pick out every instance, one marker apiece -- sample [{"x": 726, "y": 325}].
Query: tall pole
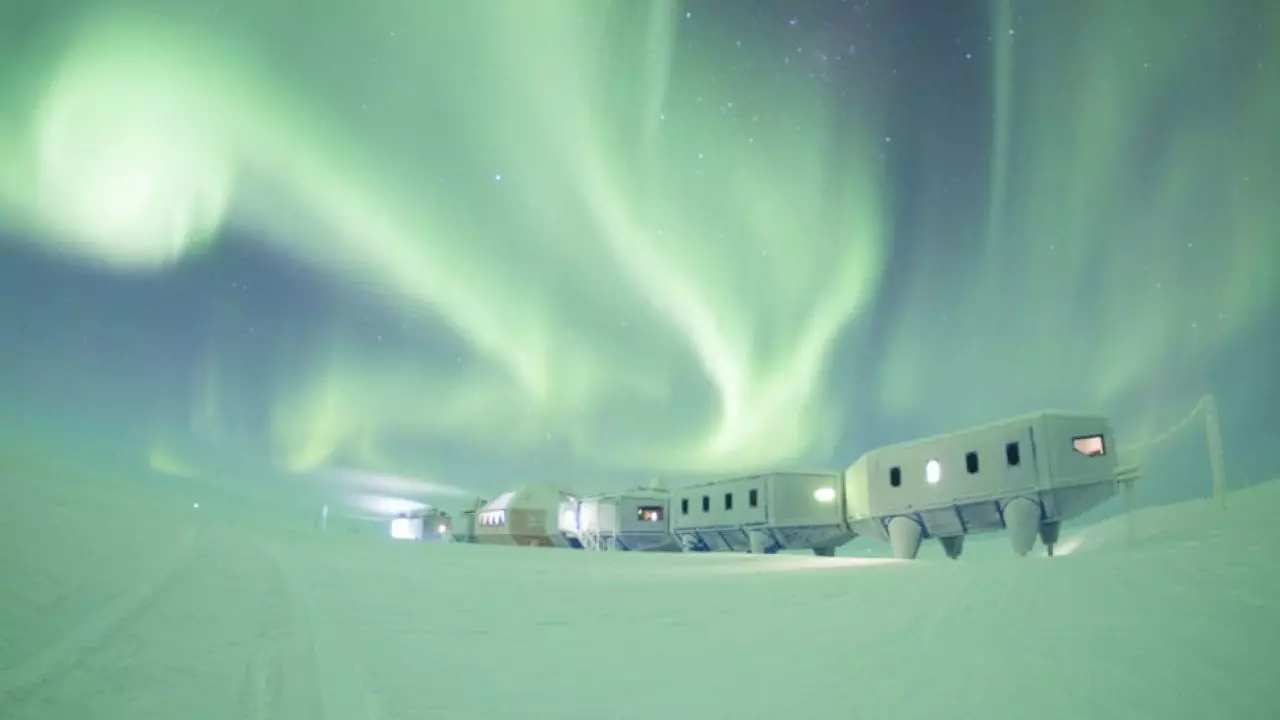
[
  {"x": 1130, "y": 531},
  {"x": 1213, "y": 436}
]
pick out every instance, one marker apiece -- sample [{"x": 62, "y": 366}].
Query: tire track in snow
[
  {"x": 261, "y": 686},
  {"x": 36, "y": 671},
  {"x": 337, "y": 682}
]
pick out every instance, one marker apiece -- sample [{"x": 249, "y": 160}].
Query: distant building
[
  {"x": 426, "y": 524},
  {"x": 630, "y": 520},
  {"x": 524, "y": 516}
]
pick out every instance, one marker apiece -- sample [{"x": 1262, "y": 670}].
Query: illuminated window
[
  {"x": 706, "y": 503},
  {"x": 971, "y": 462},
  {"x": 1089, "y": 445},
  {"x": 493, "y": 518},
  {"x": 649, "y": 513},
  {"x": 728, "y": 501},
  {"x": 753, "y": 497},
  {"x": 895, "y": 476},
  {"x": 568, "y": 521},
  {"x": 933, "y": 472},
  {"x": 1012, "y": 454},
  {"x": 684, "y": 506},
  {"x": 825, "y": 494}
]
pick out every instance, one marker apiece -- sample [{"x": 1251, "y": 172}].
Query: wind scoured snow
[{"x": 122, "y": 603}]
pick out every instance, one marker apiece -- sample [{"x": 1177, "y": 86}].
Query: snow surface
[{"x": 122, "y": 600}]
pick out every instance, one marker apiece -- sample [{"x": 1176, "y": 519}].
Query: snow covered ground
[{"x": 121, "y": 600}]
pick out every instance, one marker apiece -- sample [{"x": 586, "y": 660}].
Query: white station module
[{"x": 1024, "y": 475}]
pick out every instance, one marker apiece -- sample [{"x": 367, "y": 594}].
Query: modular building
[
  {"x": 426, "y": 524},
  {"x": 762, "y": 514},
  {"x": 1024, "y": 475},
  {"x": 629, "y": 520},
  {"x": 463, "y": 527},
  {"x": 528, "y": 515}
]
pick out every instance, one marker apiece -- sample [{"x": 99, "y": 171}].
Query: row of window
[
  {"x": 753, "y": 500},
  {"x": 1012, "y": 457},
  {"x": 1087, "y": 445},
  {"x": 492, "y": 518}
]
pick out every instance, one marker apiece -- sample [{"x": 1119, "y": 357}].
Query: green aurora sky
[{"x": 481, "y": 243}]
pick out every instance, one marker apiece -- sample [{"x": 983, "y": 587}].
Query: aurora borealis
[{"x": 586, "y": 241}]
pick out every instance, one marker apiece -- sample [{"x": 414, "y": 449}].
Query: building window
[
  {"x": 649, "y": 513},
  {"x": 684, "y": 506},
  {"x": 971, "y": 462},
  {"x": 728, "y": 501},
  {"x": 1089, "y": 445},
  {"x": 933, "y": 472},
  {"x": 1012, "y": 454},
  {"x": 706, "y": 503},
  {"x": 493, "y": 518},
  {"x": 895, "y": 476},
  {"x": 568, "y": 521},
  {"x": 753, "y": 497}
]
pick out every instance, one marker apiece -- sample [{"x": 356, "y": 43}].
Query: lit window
[
  {"x": 932, "y": 472},
  {"x": 971, "y": 462},
  {"x": 569, "y": 521},
  {"x": 649, "y": 513},
  {"x": 1090, "y": 445},
  {"x": 824, "y": 494}
]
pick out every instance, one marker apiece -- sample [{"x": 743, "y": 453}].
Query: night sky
[{"x": 416, "y": 247}]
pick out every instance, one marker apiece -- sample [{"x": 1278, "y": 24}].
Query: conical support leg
[
  {"x": 1022, "y": 520},
  {"x": 952, "y": 546},
  {"x": 1049, "y": 534},
  {"x": 904, "y": 537},
  {"x": 757, "y": 542}
]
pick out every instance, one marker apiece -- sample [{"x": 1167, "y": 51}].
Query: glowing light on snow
[{"x": 1068, "y": 545}]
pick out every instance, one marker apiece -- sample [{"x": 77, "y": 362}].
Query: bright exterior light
[
  {"x": 442, "y": 529},
  {"x": 932, "y": 472},
  {"x": 824, "y": 494},
  {"x": 569, "y": 521},
  {"x": 401, "y": 529}
]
